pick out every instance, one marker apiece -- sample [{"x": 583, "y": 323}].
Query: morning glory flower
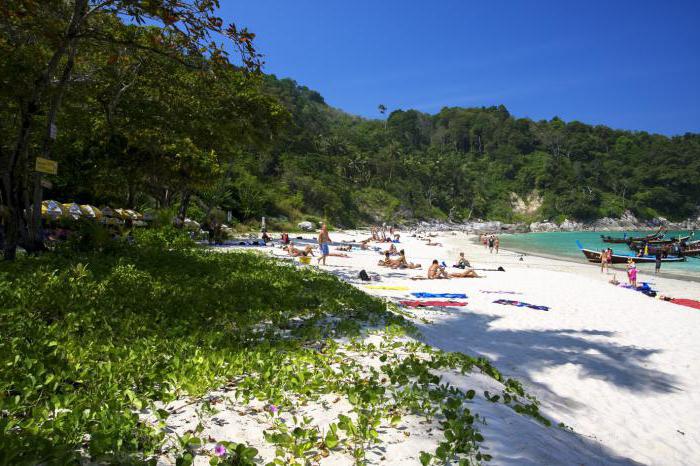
[{"x": 219, "y": 450}]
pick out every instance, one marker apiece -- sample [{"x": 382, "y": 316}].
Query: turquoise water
[{"x": 563, "y": 245}]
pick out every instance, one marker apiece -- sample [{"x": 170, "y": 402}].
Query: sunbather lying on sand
[
  {"x": 337, "y": 254},
  {"x": 389, "y": 262},
  {"x": 403, "y": 262},
  {"x": 344, "y": 248},
  {"x": 430, "y": 243},
  {"x": 436, "y": 271},
  {"x": 294, "y": 252},
  {"x": 469, "y": 273}
]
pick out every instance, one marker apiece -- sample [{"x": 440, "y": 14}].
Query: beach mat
[
  {"x": 686, "y": 302},
  {"x": 508, "y": 302},
  {"x": 499, "y": 292},
  {"x": 432, "y": 303},
  {"x": 440, "y": 295}
]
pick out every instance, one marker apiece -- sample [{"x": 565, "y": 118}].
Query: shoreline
[
  {"x": 600, "y": 355},
  {"x": 691, "y": 277}
]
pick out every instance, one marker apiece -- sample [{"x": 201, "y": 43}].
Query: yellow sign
[{"x": 46, "y": 166}]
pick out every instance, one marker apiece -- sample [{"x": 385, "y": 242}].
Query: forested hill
[
  {"x": 472, "y": 163},
  {"x": 158, "y": 118}
]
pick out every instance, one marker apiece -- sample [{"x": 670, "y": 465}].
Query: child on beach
[{"x": 632, "y": 272}]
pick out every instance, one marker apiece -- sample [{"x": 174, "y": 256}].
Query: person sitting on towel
[
  {"x": 392, "y": 250},
  {"x": 436, "y": 271},
  {"x": 462, "y": 262}
]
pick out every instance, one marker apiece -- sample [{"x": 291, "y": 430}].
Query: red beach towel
[
  {"x": 432, "y": 303},
  {"x": 687, "y": 302}
]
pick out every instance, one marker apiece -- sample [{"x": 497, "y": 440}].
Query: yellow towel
[{"x": 385, "y": 287}]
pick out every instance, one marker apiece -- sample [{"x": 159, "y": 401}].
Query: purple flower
[
  {"x": 272, "y": 408},
  {"x": 219, "y": 450}
]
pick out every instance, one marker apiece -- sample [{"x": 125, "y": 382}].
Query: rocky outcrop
[
  {"x": 626, "y": 222},
  {"x": 305, "y": 226},
  {"x": 528, "y": 206}
]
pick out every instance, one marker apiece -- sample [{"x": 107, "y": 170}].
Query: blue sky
[{"x": 627, "y": 64}]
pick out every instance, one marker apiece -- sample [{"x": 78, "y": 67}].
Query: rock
[
  {"x": 543, "y": 227},
  {"x": 568, "y": 225},
  {"x": 305, "y": 226}
]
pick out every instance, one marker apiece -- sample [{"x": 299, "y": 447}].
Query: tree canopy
[{"x": 142, "y": 107}]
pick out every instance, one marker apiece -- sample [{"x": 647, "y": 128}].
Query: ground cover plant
[{"x": 93, "y": 345}]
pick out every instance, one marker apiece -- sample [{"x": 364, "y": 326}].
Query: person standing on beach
[
  {"x": 491, "y": 244},
  {"x": 603, "y": 260},
  {"x": 658, "y": 261},
  {"x": 632, "y": 272},
  {"x": 496, "y": 243},
  {"x": 324, "y": 241}
]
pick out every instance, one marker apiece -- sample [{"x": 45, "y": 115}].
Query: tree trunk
[{"x": 18, "y": 168}]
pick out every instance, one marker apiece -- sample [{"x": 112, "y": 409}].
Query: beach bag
[{"x": 363, "y": 276}]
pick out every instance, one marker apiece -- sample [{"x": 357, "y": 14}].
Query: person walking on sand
[
  {"x": 657, "y": 261},
  {"x": 491, "y": 242},
  {"x": 324, "y": 241},
  {"x": 496, "y": 243},
  {"x": 603, "y": 260}
]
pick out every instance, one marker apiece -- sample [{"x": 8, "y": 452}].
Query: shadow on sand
[{"x": 523, "y": 353}]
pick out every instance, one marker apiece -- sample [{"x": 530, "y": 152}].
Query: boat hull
[{"x": 594, "y": 256}]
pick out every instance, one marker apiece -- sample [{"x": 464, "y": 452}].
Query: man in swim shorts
[{"x": 324, "y": 241}]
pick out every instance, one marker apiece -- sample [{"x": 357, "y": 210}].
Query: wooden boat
[
  {"x": 611, "y": 239},
  {"x": 660, "y": 242},
  {"x": 594, "y": 256},
  {"x": 691, "y": 249}
]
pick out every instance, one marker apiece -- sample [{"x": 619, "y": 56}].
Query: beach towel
[
  {"x": 432, "y": 303},
  {"x": 440, "y": 295},
  {"x": 521, "y": 304},
  {"x": 499, "y": 292},
  {"x": 687, "y": 302},
  {"x": 388, "y": 287}
]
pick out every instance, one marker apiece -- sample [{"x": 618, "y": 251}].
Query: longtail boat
[
  {"x": 594, "y": 256},
  {"x": 611, "y": 239},
  {"x": 661, "y": 242}
]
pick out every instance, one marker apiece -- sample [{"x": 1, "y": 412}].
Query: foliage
[{"x": 91, "y": 338}]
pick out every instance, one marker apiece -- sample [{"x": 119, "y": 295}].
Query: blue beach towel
[
  {"x": 440, "y": 295},
  {"x": 521, "y": 304}
]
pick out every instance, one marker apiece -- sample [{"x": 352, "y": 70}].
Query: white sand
[{"x": 619, "y": 368}]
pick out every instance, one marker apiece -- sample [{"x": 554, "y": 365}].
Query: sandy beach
[
  {"x": 614, "y": 370},
  {"x": 618, "y": 367}
]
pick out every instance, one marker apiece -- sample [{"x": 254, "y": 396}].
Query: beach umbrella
[
  {"x": 191, "y": 224},
  {"x": 72, "y": 210},
  {"x": 121, "y": 213},
  {"x": 51, "y": 209},
  {"x": 132, "y": 214},
  {"x": 107, "y": 211},
  {"x": 91, "y": 211}
]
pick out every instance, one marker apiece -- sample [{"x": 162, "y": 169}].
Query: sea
[{"x": 562, "y": 245}]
